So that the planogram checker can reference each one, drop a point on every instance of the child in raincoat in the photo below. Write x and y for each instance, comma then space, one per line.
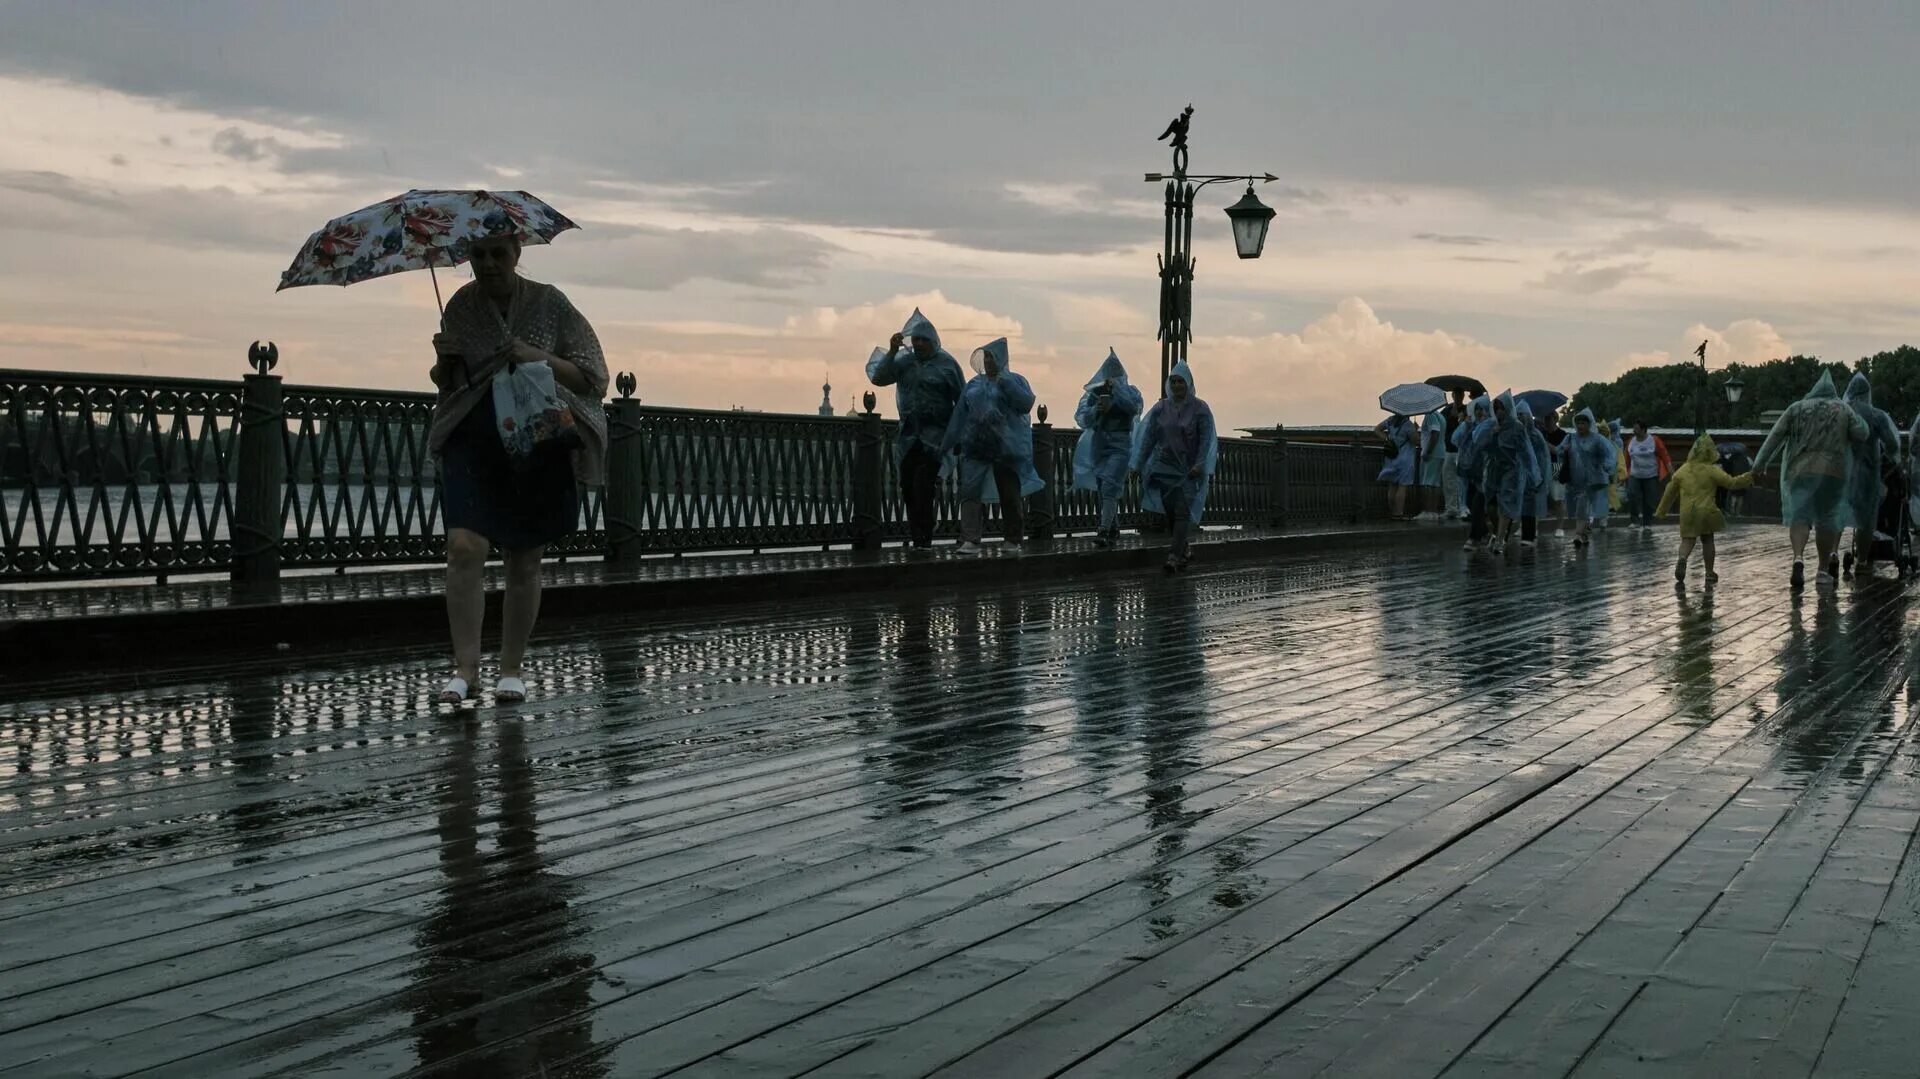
1866, 488
1174, 452
1692, 490
1108, 410
1591, 465
991, 440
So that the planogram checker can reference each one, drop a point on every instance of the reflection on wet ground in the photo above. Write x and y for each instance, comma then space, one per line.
1405, 813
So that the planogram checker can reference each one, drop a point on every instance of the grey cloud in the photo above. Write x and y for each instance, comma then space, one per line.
237, 144
60, 186
657, 259
824, 100
1459, 240
1674, 235
1592, 281
213, 217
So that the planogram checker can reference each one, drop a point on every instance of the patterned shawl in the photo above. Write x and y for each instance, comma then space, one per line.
540, 315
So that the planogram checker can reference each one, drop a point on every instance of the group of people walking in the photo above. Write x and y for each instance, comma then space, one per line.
980, 432
1490, 462
1495, 465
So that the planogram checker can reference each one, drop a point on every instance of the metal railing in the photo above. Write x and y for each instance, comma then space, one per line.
106, 476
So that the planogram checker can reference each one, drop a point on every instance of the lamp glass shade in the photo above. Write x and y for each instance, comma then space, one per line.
1250, 218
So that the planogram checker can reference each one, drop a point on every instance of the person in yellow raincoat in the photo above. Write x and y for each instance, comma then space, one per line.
1692, 489
1614, 499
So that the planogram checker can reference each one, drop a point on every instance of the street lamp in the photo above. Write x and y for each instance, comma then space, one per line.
1250, 219
1734, 388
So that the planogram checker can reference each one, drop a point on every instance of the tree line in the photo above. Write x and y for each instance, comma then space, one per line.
1664, 396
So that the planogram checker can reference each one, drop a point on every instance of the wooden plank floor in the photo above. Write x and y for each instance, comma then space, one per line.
1410, 813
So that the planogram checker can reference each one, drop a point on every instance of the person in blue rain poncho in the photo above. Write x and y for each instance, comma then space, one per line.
927, 384
1866, 488
1174, 452
1533, 501
1592, 460
991, 440
1913, 470
1403, 442
1109, 408
1813, 442
1509, 467
1469, 467
1433, 464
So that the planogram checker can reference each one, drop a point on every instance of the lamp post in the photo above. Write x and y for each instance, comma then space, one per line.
1250, 218
1734, 388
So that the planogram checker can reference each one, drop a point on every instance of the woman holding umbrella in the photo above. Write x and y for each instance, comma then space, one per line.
489, 499
517, 501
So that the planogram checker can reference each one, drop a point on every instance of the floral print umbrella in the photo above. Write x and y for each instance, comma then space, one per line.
420, 229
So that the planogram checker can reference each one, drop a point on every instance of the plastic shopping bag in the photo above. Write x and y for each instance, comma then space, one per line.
531, 417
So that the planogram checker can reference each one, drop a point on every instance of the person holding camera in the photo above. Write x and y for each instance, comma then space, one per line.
1108, 409
927, 385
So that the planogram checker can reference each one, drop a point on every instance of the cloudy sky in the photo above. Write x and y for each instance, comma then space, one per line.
1539, 193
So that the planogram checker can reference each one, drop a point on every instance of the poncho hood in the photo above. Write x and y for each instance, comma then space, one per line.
1185, 374
1860, 394
1110, 369
1704, 452
997, 348
918, 326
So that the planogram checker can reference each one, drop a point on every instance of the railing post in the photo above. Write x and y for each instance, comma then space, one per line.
869, 476
260, 471
1040, 507
1356, 482
1278, 490
626, 474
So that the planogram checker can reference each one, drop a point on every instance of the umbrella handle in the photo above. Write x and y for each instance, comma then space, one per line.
436, 290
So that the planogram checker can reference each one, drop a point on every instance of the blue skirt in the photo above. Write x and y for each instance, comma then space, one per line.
481, 490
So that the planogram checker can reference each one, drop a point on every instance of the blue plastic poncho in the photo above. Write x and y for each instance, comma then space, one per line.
1402, 442
1433, 448
1509, 458
1866, 489
1813, 441
1913, 469
1591, 460
1177, 437
924, 391
1534, 500
990, 428
1469, 444
1106, 441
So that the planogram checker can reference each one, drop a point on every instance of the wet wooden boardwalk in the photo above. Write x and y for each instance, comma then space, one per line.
1406, 815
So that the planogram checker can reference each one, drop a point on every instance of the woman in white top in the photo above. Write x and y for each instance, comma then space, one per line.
1643, 475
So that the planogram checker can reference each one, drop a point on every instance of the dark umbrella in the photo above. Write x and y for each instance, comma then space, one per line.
1542, 401
1450, 383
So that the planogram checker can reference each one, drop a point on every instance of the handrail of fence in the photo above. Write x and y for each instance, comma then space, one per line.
106, 475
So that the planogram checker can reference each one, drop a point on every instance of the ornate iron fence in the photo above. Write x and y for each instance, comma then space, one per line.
127, 476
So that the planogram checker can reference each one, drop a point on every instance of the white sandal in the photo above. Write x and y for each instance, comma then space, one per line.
455, 691
510, 690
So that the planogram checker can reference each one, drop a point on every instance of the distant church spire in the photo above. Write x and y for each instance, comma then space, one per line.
826, 396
